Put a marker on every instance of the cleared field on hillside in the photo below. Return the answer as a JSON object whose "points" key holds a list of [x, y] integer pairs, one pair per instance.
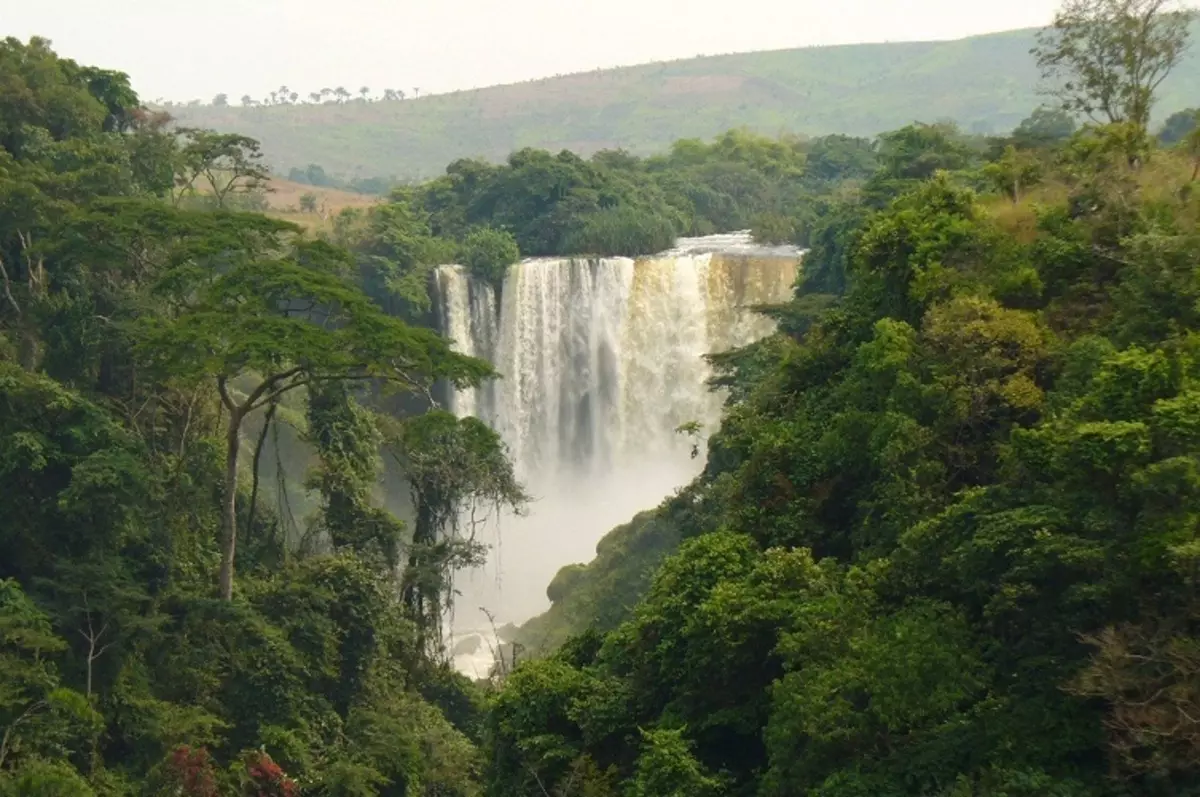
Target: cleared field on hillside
{"points": [[985, 83], [284, 201]]}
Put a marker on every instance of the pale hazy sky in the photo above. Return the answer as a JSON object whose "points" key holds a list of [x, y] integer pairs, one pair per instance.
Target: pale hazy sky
{"points": [[193, 49]]}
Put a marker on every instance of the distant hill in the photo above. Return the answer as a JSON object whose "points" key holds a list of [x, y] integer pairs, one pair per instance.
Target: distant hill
{"points": [[985, 83]]}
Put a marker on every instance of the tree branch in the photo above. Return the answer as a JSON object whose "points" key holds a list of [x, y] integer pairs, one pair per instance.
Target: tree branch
{"points": [[8, 288], [225, 397], [258, 449], [251, 400], [274, 396], [25, 715]]}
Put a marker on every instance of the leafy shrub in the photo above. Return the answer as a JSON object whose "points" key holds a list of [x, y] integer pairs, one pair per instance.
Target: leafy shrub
{"points": [[622, 231], [488, 252]]}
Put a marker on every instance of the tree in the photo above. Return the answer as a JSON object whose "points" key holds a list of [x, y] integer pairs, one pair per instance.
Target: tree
{"points": [[54, 99], [839, 157], [363, 92], [1191, 145], [220, 101], [1013, 172], [314, 97], [228, 162], [1178, 125], [667, 768], [37, 715], [341, 93], [1043, 127], [275, 317], [488, 253], [308, 202], [397, 253], [918, 151], [347, 440], [1106, 58], [314, 174], [458, 471], [1148, 677], [247, 100]]}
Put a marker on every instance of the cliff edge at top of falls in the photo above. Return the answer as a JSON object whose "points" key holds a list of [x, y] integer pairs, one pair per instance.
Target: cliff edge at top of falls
{"points": [[740, 242]]}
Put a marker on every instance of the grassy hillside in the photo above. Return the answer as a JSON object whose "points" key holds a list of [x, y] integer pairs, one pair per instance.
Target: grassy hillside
{"points": [[986, 83], [283, 199]]}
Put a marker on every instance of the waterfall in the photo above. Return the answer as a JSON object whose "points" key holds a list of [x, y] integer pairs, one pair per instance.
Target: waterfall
{"points": [[600, 361]]}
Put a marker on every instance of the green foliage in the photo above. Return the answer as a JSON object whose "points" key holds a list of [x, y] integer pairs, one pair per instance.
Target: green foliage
{"points": [[228, 163], [614, 204], [1178, 126], [624, 231], [456, 469], [347, 441], [600, 594], [1107, 58], [666, 768], [488, 253], [135, 337], [44, 778], [1013, 173], [945, 539], [45, 92], [396, 251], [1044, 127], [38, 716]]}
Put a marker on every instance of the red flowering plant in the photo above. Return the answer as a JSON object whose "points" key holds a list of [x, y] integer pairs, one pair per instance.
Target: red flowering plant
{"points": [[262, 777], [189, 772]]}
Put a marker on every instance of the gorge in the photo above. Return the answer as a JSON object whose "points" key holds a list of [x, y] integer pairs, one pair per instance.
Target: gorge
{"points": [[600, 361]]}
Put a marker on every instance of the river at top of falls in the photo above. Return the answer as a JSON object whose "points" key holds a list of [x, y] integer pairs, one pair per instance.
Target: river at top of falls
{"points": [[601, 360]]}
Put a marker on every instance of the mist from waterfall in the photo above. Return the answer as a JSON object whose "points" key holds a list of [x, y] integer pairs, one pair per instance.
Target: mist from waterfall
{"points": [[601, 359]]}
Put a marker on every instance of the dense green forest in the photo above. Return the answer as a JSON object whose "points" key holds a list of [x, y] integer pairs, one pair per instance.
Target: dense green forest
{"points": [[986, 84], [540, 203], [945, 542], [164, 628]]}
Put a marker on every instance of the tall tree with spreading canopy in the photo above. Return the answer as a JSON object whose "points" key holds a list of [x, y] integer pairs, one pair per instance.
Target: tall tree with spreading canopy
{"points": [[228, 163], [263, 313], [1106, 58]]}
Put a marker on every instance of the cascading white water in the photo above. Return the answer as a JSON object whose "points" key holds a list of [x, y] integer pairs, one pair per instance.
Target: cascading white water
{"points": [[601, 360]]}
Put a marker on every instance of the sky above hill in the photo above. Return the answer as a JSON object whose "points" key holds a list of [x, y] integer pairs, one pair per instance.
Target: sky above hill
{"points": [[187, 50]]}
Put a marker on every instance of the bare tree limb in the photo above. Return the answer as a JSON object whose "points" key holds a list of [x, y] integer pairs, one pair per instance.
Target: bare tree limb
{"points": [[8, 288]]}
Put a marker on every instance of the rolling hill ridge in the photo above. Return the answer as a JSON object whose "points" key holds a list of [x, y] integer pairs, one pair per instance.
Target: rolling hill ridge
{"points": [[985, 83]]}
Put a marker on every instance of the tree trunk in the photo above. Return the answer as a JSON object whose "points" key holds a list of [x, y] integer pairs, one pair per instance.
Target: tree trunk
{"points": [[229, 524]]}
